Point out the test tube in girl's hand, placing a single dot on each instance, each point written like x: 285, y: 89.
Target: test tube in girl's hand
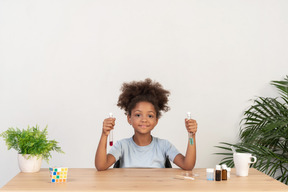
x: 111, y: 132
x: 190, y: 134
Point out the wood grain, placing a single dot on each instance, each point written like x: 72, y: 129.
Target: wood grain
x: 81, y: 179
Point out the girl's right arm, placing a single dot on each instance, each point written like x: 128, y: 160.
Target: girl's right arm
x: 103, y: 160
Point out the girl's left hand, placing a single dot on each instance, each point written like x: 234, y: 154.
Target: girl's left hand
x: 191, y: 125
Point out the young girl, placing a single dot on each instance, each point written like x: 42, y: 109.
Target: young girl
x: 143, y: 102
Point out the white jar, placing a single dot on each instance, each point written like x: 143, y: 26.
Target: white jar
x: 210, y: 174
x: 228, y: 172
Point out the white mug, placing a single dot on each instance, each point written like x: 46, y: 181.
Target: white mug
x: 242, y: 162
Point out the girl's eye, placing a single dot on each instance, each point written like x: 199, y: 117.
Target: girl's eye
x: 150, y: 116
x: 137, y: 115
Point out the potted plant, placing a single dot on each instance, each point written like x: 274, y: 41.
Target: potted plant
x: 264, y: 133
x: 32, y: 146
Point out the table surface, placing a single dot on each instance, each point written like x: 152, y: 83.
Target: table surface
x: 88, y: 179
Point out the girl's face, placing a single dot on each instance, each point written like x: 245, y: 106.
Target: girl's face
x: 143, y: 117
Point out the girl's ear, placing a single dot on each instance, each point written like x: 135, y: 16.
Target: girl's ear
x: 129, y: 119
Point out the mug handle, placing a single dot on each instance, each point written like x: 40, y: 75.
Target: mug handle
x: 254, y: 159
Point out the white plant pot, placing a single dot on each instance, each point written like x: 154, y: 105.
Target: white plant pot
x: 29, y: 165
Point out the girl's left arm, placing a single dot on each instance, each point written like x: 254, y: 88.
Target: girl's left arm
x: 188, y: 161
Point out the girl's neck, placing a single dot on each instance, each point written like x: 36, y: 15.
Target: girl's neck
x: 142, y: 140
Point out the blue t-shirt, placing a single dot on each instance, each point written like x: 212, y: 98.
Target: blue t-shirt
x: 149, y: 156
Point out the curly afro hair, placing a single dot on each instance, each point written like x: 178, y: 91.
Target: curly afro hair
x: 147, y: 90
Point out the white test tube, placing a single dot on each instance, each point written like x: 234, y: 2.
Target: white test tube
x: 111, y: 132
x: 190, y: 135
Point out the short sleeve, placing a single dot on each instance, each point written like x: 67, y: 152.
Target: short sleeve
x: 116, y: 150
x: 171, y: 150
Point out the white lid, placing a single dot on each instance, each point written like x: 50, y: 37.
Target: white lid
x: 210, y: 170
x: 224, y: 166
x: 228, y: 169
x: 218, y: 167
x: 189, y: 115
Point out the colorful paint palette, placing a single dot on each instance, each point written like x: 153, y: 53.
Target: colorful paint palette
x: 58, y: 174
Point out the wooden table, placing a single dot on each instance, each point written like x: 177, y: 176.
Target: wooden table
x: 141, y: 180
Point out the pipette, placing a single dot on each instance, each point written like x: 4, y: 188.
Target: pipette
x: 190, y: 135
x: 183, y: 177
x: 111, y: 132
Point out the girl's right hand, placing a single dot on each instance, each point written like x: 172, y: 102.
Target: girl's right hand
x: 108, y: 125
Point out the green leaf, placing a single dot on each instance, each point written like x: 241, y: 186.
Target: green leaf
x: 264, y: 133
x: 31, y: 141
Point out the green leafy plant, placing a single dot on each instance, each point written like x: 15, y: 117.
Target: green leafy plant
x: 264, y: 133
x: 31, y: 141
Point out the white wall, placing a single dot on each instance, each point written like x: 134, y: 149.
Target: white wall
x: 62, y: 63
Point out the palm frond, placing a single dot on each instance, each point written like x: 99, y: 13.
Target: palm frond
x: 282, y: 86
x: 264, y: 133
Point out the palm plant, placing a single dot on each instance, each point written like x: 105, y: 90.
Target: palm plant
x: 264, y: 133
